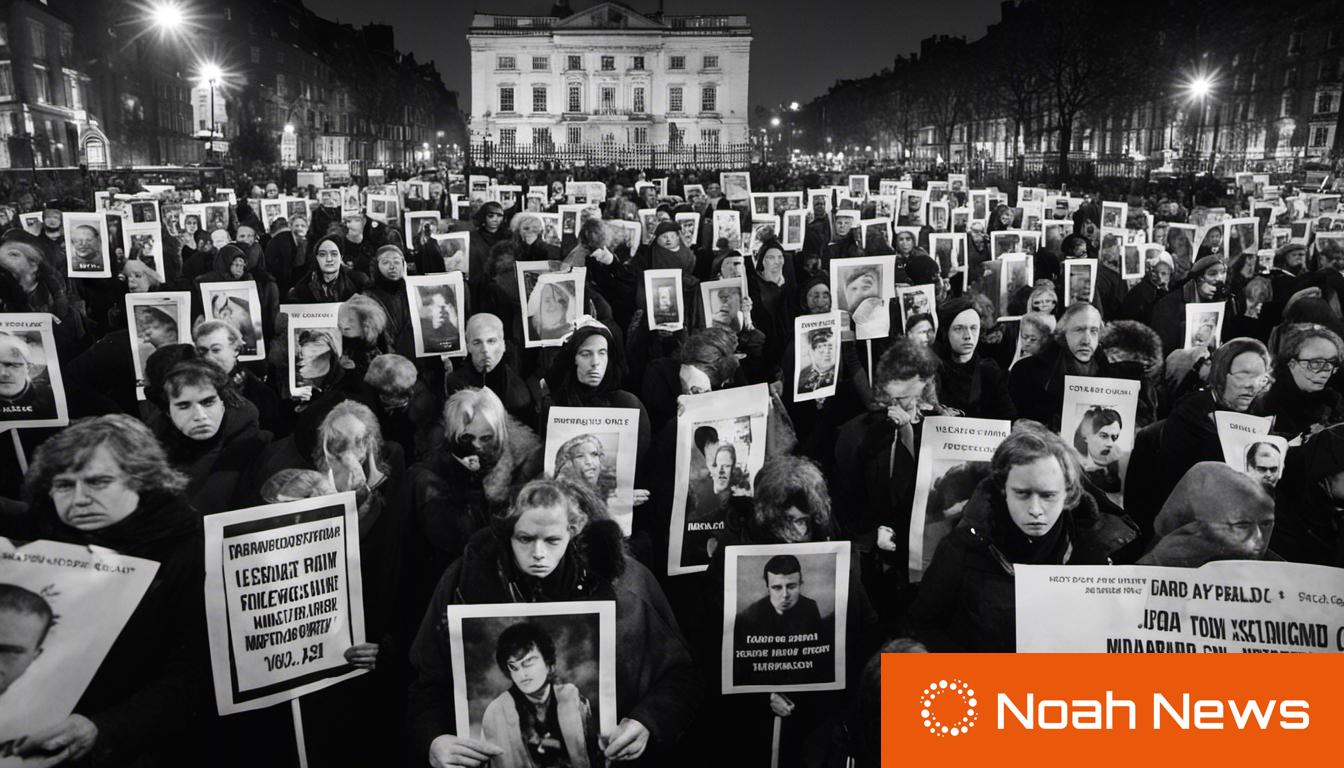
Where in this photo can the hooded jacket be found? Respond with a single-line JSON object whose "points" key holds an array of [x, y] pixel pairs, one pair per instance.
{"points": [[1168, 315], [967, 600], [656, 681], [267, 290], [977, 387], [216, 466], [1192, 528], [1308, 523]]}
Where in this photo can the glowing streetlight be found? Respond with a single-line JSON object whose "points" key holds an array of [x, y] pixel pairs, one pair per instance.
{"points": [[210, 72], [793, 106], [774, 122], [289, 128], [1200, 86], [167, 16]]}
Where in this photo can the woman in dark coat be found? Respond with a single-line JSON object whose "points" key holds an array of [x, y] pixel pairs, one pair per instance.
{"points": [[1300, 399], [1309, 502], [657, 686], [106, 482], [1031, 510], [329, 280], [389, 290], [489, 230], [974, 385]]}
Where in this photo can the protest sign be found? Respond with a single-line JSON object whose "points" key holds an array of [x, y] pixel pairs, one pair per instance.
{"points": [[32, 392], [1249, 448], [315, 344], [663, 299], [581, 674], [784, 612], [283, 599], [1004, 278], [861, 287], [551, 301], [720, 448], [1228, 606], [1204, 324], [736, 185], [816, 358], [794, 232], [728, 226], [949, 250], [61, 608], [1114, 214], [455, 250], [437, 312], [596, 446], [86, 246], [954, 456], [144, 243], [918, 303], [689, 224], [421, 226], [1098, 419], [238, 304], [1080, 280], [721, 303], [157, 319], [764, 229], [857, 186]]}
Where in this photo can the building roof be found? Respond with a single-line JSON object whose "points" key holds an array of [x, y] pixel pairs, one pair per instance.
{"points": [[608, 16]]}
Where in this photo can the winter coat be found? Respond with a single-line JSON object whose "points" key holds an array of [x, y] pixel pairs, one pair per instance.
{"points": [[1308, 523], [517, 397], [1036, 383], [312, 289], [656, 681], [215, 467], [1189, 436], [1196, 524], [1168, 317], [1295, 411]]}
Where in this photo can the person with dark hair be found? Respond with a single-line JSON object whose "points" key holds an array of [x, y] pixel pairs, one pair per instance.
{"points": [[587, 372], [968, 382], [1096, 439], [539, 720], [1031, 509], [25, 619], [820, 372], [1207, 283], [1264, 462], [329, 280], [784, 611]]}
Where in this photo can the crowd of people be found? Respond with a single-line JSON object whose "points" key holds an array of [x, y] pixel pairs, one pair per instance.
{"points": [[445, 453]]}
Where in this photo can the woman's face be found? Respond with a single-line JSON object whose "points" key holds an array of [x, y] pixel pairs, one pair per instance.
{"points": [[218, 349], [1035, 493], [1316, 352], [721, 471], [1245, 380], [587, 459], [1101, 445], [540, 538], [772, 264], [1044, 303], [731, 267], [818, 299], [964, 333], [1006, 217], [1031, 338], [197, 411], [905, 242], [391, 266], [313, 362], [96, 495], [590, 360], [553, 306], [921, 332], [493, 218], [237, 268], [669, 241], [15, 261], [299, 226], [328, 258], [529, 230], [137, 280]]}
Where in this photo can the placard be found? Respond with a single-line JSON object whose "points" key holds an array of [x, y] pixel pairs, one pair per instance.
{"points": [[32, 392], [237, 303], [954, 456], [663, 302], [816, 358], [598, 447], [437, 312]]}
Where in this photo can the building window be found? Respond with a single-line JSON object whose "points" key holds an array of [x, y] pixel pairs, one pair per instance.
{"points": [[506, 99], [608, 98], [1294, 43], [608, 63], [1325, 101], [541, 137], [508, 137], [506, 62], [39, 37], [256, 54], [1290, 77], [574, 134], [674, 99], [72, 96], [637, 62], [1288, 107], [67, 47], [1320, 135], [637, 101], [575, 103], [575, 63], [641, 135], [710, 62], [709, 98], [709, 137], [538, 98], [541, 63], [40, 80], [6, 80], [676, 62]]}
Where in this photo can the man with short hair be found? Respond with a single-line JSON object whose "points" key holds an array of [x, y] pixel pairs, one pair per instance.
{"points": [[25, 619], [20, 397], [788, 616], [1036, 383], [1264, 462], [821, 372], [487, 366]]}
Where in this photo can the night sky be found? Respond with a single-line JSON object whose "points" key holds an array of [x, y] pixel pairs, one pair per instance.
{"points": [[797, 52]]}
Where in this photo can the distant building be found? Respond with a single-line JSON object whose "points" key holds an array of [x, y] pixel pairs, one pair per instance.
{"points": [[609, 75]]}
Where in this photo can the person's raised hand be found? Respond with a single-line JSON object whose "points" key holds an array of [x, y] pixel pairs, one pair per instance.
{"points": [[781, 706], [449, 750], [364, 655], [629, 741]]}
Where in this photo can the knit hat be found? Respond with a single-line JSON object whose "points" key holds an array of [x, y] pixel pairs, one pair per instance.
{"points": [[1201, 266], [1162, 258], [665, 227], [390, 248]]}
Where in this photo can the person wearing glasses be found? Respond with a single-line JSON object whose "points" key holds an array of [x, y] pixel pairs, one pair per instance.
{"points": [[1299, 399]]}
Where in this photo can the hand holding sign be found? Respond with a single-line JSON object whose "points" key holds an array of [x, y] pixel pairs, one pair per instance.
{"points": [[628, 743], [449, 750]]}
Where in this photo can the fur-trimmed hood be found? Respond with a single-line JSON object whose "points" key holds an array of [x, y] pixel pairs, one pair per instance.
{"points": [[520, 461]]}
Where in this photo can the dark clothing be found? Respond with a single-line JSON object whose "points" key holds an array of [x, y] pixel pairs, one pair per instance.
{"points": [[313, 289], [1189, 436], [1139, 302], [1295, 411], [215, 467], [503, 381], [1308, 522], [978, 388], [1036, 383], [804, 619]]}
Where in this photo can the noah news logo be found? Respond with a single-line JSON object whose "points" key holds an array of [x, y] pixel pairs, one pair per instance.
{"points": [[948, 708]]}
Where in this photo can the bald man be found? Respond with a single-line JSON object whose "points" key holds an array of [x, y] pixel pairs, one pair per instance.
{"points": [[487, 366], [20, 397]]}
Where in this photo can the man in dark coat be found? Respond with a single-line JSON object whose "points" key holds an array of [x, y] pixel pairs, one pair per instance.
{"points": [[1036, 383], [1205, 284], [486, 366], [784, 612]]}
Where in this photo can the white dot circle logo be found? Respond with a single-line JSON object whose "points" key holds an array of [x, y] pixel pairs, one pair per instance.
{"points": [[948, 708]]}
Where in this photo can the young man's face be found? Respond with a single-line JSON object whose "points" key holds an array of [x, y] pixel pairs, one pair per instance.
{"points": [[1101, 444], [785, 589], [21, 635], [13, 371], [1266, 465], [529, 671]]}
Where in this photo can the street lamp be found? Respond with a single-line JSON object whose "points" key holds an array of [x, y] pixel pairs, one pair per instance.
{"points": [[289, 127], [1199, 89], [210, 73], [167, 17], [774, 122], [793, 106]]}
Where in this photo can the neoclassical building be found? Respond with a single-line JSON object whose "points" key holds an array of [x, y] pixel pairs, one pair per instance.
{"points": [[609, 75]]}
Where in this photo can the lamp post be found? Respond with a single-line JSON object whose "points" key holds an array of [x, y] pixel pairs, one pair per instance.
{"points": [[211, 74], [1198, 89]]}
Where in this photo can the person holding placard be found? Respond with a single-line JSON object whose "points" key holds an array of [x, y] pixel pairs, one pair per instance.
{"points": [[1031, 509], [330, 280], [1036, 383], [1308, 498], [23, 256], [220, 343], [1139, 302], [1207, 281], [389, 290], [556, 544], [106, 482]]}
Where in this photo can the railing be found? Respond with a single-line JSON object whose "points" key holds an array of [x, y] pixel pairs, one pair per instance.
{"points": [[610, 153], [1047, 166]]}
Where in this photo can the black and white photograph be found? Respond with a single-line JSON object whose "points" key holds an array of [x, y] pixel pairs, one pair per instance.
{"points": [[861, 287], [32, 392], [816, 353], [917, 305], [721, 301], [455, 250], [1098, 419], [554, 303], [536, 681], [784, 617], [1080, 279], [736, 185], [87, 253], [143, 211], [912, 208], [156, 320], [1204, 324], [584, 444], [239, 305], [1114, 215], [689, 223], [422, 226], [144, 243], [217, 215], [314, 346], [663, 302], [437, 321], [728, 228]]}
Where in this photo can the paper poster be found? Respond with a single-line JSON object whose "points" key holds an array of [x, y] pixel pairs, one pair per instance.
{"points": [[283, 599], [1204, 324], [455, 250], [954, 455], [157, 319], [551, 301], [858, 186], [721, 303], [1240, 235], [816, 358], [142, 212], [144, 243], [1098, 419], [217, 214], [421, 226], [795, 229], [32, 392], [720, 448], [597, 446], [61, 608], [911, 211], [238, 304], [504, 653], [784, 617], [550, 228], [314, 349], [917, 304], [736, 185], [1114, 215], [1080, 280], [270, 211], [861, 286], [763, 230], [383, 208], [1226, 606], [728, 226], [876, 234], [32, 222], [689, 223], [663, 299], [436, 320], [949, 250], [1004, 279], [1249, 448], [86, 246]]}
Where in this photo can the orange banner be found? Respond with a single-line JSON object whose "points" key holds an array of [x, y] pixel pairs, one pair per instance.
{"points": [[1132, 710]]}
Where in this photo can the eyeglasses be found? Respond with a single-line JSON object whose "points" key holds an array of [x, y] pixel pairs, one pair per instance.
{"points": [[1318, 365]]}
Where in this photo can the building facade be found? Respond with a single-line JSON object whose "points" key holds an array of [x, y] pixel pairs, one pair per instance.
{"points": [[609, 75]]}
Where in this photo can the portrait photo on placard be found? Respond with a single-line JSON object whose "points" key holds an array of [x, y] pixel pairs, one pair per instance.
{"points": [[438, 325], [663, 299], [508, 658], [87, 251], [32, 392], [144, 243], [314, 352], [143, 211], [721, 301], [1079, 280], [728, 227], [454, 248], [553, 305], [584, 444], [917, 304], [1204, 324], [156, 320], [816, 355], [239, 305]]}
